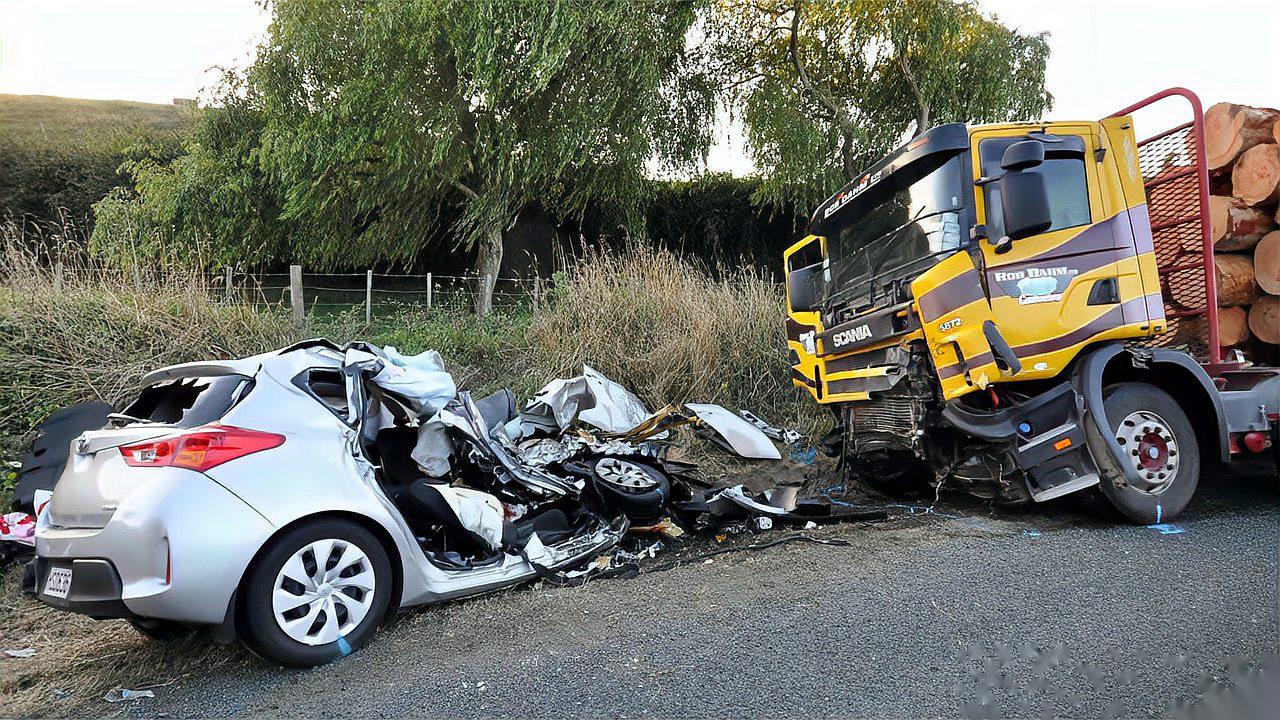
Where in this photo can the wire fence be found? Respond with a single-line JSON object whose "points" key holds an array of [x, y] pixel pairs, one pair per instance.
{"points": [[373, 292]]}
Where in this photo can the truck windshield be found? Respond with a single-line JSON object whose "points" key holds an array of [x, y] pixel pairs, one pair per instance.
{"points": [[908, 218]]}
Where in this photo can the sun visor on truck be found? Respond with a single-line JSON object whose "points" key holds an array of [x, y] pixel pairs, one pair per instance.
{"points": [[944, 140]]}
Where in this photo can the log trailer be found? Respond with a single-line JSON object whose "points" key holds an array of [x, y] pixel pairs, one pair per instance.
{"points": [[1023, 310]]}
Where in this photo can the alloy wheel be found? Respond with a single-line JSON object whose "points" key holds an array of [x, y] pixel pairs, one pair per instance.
{"points": [[624, 474]]}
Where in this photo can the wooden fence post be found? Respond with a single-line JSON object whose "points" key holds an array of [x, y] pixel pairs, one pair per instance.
{"points": [[428, 291], [368, 297], [229, 273], [57, 277], [295, 295]]}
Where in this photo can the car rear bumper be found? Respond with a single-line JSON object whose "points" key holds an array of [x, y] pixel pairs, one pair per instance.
{"points": [[95, 590], [175, 549]]}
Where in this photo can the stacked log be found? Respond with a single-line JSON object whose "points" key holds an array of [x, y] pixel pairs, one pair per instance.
{"points": [[1230, 129], [1242, 146]]}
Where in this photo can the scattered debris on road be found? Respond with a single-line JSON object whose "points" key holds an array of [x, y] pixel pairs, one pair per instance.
{"points": [[123, 694]]}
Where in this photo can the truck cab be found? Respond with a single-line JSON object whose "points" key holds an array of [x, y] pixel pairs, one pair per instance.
{"points": [[968, 304]]}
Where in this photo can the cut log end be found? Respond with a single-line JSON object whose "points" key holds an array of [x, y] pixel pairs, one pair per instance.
{"points": [[1266, 263], [1233, 326], [1255, 179], [1264, 319], [1231, 129]]}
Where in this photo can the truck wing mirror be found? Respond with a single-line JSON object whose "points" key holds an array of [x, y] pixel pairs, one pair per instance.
{"points": [[1024, 199], [1022, 155], [1024, 203]]}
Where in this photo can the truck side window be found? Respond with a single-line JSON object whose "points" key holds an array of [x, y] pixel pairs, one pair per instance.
{"points": [[1064, 176]]}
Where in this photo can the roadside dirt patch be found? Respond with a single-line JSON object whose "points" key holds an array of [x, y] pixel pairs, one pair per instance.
{"points": [[77, 660]]}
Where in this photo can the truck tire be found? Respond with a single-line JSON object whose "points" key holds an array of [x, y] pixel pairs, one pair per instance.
{"points": [[1159, 440], [347, 593]]}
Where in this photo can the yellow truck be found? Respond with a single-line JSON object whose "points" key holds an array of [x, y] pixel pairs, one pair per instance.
{"points": [[1022, 310]]}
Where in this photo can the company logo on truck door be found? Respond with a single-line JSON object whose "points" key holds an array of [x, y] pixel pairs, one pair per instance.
{"points": [[1035, 284], [850, 336]]}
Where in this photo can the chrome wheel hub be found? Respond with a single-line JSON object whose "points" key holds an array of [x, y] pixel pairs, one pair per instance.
{"points": [[1151, 448], [624, 474], [323, 591]]}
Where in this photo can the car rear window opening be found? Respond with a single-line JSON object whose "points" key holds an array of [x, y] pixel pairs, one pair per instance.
{"points": [[189, 402]]}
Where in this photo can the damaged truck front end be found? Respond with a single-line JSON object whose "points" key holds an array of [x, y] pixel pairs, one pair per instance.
{"points": [[861, 322]]}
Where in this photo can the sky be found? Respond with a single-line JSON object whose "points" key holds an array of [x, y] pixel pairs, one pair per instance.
{"points": [[1105, 54]]}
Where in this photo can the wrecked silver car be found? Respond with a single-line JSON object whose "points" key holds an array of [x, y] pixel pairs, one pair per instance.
{"points": [[298, 498]]}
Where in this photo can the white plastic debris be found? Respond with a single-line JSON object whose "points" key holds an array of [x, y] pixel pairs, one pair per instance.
{"points": [[786, 437], [420, 379], [479, 512], [21, 653], [123, 694], [735, 434], [590, 398]]}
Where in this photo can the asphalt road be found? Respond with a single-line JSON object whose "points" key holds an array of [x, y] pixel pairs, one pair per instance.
{"points": [[977, 613]]}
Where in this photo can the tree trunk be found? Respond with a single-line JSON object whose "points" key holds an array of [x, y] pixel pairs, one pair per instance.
{"points": [[1231, 129], [1266, 263], [1264, 319], [1235, 282], [488, 263], [1255, 178], [1234, 225]]}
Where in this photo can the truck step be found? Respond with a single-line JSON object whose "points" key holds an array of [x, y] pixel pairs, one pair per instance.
{"points": [[1079, 483]]}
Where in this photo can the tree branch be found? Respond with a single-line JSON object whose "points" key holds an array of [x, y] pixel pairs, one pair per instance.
{"points": [[840, 115], [922, 107]]}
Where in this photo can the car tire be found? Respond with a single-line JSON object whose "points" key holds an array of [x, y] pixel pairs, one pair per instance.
{"points": [[341, 599], [161, 630], [635, 489], [1158, 438]]}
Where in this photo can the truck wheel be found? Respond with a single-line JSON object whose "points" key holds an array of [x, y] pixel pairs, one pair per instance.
{"points": [[318, 593], [1159, 442]]}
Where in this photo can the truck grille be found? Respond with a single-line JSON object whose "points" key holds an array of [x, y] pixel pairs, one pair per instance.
{"points": [[892, 412]]}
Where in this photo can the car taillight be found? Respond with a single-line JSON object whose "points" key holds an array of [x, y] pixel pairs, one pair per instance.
{"points": [[200, 449]]}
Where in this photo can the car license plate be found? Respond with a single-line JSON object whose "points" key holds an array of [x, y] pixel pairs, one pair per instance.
{"points": [[58, 584]]}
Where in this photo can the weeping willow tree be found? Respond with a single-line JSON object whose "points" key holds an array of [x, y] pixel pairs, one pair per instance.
{"points": [[374, 113], [825, 87]]}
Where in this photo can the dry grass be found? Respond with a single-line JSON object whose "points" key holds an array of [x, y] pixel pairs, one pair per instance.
{"points": [[78, 660], [671, 332], [84, 332]]}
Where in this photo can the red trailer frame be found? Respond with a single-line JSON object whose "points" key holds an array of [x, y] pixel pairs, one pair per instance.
{"points": [[1176, 177]]}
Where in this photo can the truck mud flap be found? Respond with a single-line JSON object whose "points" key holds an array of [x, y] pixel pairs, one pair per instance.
{"points": [[1046, 436]]}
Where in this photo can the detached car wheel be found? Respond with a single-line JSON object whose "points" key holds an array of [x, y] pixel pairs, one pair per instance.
{"points": [[1159, 442], [318, 593], [635, 489]]}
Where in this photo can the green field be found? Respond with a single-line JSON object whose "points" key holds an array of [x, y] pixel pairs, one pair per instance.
{"points": [[58, 156], [42, 122]]}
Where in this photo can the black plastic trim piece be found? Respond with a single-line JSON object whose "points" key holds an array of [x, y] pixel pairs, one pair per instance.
{"points": [[95, 588], [1000, 347], [1184, 361]]}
